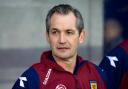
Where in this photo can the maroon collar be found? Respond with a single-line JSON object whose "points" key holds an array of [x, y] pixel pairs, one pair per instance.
{"points": [[48, 60]]}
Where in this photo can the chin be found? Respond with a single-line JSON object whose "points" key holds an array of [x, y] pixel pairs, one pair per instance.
{"points": [[63, 55]]}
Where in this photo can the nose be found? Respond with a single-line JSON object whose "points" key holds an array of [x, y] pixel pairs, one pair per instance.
{"points": [[62, 39]]}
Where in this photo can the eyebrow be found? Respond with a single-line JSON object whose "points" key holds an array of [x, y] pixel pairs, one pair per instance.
{"points": [[54, 29], [70, 30]]}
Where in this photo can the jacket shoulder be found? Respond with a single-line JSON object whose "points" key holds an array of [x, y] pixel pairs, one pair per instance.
{"points": [[28, 80]]}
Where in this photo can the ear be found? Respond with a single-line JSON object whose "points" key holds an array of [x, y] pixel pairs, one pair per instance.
{"points": [[47, 36], [82, 36]]}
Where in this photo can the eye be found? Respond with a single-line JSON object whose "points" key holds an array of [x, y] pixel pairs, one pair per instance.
{"points": [[70, 32], [53, 32]]}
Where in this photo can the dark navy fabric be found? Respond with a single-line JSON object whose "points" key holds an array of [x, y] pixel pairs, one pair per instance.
{"points": [[114, 74], [103, 75], [32, 80]]}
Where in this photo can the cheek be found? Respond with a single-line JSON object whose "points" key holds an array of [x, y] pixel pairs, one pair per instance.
{"points": [[74, 41], [52, 41]]}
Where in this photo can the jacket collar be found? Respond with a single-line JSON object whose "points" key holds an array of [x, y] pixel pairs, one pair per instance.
{"points": [[48, 60]]}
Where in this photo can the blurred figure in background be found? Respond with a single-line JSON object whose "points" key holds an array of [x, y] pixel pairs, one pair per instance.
{"points": [[115, 60], [112, 34]]}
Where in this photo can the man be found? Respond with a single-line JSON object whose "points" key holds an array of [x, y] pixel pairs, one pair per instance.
{"points": [[62, 68], [115, 64]]}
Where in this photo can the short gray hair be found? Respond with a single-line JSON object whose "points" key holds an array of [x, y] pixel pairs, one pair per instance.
{"points": [[65, 9]]}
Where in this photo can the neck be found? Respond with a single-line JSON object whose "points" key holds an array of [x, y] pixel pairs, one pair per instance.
{"points": [[67, 64]]}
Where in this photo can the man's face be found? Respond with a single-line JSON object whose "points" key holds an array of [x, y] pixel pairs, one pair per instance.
{"points": [[63, 36]]}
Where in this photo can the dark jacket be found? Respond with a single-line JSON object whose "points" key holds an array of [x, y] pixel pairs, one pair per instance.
{"points": [[115, 64]]}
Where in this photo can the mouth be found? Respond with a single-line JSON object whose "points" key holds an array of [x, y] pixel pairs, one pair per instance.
{"points": [[63, 48]]}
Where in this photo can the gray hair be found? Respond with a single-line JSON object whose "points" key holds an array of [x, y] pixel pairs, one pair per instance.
{"points": [[65, 9]]}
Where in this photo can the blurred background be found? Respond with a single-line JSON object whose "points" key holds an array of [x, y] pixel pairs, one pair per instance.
{"points": [[22, 32]]}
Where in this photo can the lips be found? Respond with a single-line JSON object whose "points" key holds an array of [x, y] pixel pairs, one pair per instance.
{"points": [[63, 48]]}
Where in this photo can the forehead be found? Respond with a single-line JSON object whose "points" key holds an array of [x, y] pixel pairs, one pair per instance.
{"points": [[67, 21], [57, 15]]}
